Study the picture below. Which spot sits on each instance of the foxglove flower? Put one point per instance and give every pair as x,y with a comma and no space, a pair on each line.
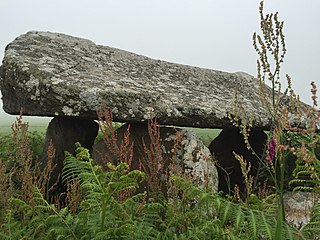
272,150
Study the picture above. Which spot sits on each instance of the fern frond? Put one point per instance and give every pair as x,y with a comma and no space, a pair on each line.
252,224
73,167
312,229
20,204
299,168
303,188
302,173
237,219
225,212
266,227
11,228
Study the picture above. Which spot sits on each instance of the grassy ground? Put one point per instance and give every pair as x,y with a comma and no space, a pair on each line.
6,130
206,134
40,125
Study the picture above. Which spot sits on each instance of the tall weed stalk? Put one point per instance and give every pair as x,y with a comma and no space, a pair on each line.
287,115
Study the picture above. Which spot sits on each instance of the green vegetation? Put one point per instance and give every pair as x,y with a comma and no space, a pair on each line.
107,204
206,134
6,131
103,205
38,124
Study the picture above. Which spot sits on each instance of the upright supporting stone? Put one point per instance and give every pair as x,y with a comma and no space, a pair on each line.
222,147
298,207
187,156
64,133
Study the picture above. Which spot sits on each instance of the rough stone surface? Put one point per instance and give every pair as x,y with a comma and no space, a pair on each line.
52,74
298,207
222,148
64,133
193,158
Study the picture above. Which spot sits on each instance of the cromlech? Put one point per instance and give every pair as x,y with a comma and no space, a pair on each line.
70,78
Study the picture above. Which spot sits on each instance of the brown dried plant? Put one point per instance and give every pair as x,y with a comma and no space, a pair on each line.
153,163
121,151
236,194
271,45
239,119
176,169
245,170
6,188
43,174
24,172
73,195
160,166
271,49
33,175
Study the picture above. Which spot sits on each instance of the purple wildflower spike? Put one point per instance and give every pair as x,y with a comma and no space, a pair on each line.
272,150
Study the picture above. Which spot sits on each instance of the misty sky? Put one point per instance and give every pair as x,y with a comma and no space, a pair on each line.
214,34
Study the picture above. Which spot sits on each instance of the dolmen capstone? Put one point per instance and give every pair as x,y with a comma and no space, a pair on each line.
68,78
51,74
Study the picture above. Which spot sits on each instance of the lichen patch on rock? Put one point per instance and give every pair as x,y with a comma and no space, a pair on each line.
73,76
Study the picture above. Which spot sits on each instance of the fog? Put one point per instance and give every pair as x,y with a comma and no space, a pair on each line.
212,34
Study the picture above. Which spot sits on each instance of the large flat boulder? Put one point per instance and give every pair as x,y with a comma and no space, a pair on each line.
52,74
